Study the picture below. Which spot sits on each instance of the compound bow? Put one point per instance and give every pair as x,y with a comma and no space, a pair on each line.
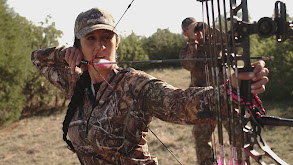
238,38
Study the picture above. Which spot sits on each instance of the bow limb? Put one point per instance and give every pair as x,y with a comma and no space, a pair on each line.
245,85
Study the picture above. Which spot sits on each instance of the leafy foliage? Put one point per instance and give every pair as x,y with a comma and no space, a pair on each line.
38,91
161,45
19,38
131,49
164,45
12,63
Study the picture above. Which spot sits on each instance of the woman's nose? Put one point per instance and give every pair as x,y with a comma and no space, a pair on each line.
100,45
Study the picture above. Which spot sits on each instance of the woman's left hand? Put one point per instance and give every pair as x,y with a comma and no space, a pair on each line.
258,76
73,57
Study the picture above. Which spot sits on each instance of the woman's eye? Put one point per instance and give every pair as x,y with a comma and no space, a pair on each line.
91,38
105,38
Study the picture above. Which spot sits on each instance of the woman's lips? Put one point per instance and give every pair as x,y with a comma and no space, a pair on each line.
98,57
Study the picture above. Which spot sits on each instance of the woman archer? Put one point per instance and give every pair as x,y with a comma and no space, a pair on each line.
110,106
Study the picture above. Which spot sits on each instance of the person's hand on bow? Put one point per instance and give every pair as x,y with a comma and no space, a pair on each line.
258,76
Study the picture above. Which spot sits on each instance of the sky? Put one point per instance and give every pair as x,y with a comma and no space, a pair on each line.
144,17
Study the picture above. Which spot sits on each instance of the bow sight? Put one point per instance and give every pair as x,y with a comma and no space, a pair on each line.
266,26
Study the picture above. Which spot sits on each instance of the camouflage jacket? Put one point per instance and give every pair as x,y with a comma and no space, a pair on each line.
117,124
200,72
196,68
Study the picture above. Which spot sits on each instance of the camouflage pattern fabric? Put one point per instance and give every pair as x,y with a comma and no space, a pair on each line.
196,68
113,131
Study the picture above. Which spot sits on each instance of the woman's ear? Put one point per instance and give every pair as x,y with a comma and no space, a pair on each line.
117,41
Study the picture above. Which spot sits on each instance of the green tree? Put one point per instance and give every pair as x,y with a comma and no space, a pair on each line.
164,45
38,91
18,38
280,86
130,49
13,65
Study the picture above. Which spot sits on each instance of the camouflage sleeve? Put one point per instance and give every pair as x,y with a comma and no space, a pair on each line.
176,105
188,52
50,62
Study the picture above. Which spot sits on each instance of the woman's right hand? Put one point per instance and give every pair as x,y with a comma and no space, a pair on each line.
73,57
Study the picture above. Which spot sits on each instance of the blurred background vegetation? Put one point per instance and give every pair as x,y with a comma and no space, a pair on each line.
23,92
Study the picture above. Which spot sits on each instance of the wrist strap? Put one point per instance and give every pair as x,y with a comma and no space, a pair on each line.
255,107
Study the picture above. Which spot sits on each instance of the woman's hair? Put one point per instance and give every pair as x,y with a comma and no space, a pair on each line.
76,100
76,43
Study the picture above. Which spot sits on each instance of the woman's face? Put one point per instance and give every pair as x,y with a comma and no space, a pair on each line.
99,44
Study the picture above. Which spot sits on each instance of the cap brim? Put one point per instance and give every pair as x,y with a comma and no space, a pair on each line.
87,30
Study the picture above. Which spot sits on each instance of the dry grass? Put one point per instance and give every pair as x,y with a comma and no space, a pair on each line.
177,77
38,140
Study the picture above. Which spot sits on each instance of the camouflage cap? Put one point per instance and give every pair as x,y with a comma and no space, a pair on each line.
93,19
186,22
